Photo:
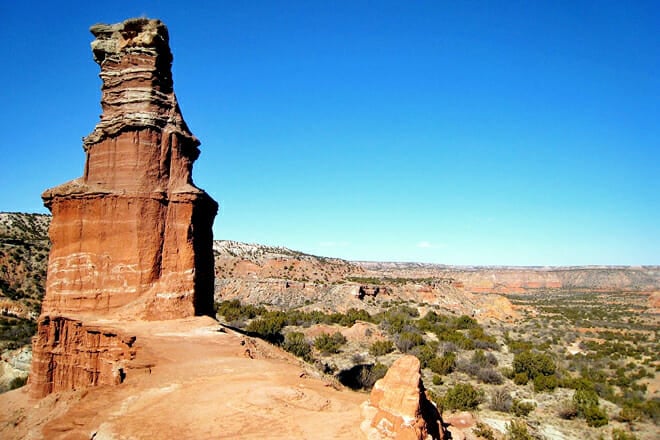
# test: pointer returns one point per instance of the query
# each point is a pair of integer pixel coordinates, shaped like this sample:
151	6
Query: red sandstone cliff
131	238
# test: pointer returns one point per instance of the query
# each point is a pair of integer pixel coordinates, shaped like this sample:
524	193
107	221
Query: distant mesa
131	238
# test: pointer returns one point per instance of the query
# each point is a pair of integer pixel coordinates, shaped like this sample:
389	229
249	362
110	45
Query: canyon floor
193	379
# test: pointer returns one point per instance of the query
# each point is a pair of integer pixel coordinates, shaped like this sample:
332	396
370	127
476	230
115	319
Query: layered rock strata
69	355
134	228
131	238
398	407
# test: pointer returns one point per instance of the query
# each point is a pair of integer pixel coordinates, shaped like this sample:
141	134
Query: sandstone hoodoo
131	238
398	407
133	232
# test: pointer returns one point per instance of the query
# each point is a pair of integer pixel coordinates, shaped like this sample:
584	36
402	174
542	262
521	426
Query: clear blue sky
457	132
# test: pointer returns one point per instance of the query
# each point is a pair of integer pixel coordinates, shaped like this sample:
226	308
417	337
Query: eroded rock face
398	407
69	355
133	230
130	239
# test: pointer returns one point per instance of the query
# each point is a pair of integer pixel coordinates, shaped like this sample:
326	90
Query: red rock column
132	236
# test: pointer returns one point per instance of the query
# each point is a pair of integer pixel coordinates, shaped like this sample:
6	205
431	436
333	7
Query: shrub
619	434
479	358
425	353
407	340
380	348
545	383
500	400
490	376
517	430
294	342
507	372
484	431
522	409
464	322
444	364
462	397
595	416
328	344
534	364
17	382
583	398
374	373
233	310
268	327
568	411
520	378
629	414
437	379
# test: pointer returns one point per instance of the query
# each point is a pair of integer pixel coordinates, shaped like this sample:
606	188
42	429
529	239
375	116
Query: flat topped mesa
132	237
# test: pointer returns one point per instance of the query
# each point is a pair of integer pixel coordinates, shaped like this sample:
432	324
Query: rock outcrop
69	355
133	229
398	407
130	239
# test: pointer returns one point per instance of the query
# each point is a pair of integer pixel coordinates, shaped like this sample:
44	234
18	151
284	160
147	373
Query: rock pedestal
131	238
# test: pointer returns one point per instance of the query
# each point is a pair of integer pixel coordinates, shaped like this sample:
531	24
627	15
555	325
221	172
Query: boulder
398	407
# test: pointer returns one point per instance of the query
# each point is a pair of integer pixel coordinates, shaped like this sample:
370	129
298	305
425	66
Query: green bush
595	416
484	431
545	383
586	403
464	322
328	344
17	382
520	378
369	376
233	310
437	379
407	340
517	430
619	434
462	397
583	398
425	353
534	364
444	364
522	409
268	327
380	348
295	342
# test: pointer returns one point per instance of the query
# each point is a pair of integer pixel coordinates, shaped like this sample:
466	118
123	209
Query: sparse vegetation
602	345
517	430
328	344
295	343
462	397
380	348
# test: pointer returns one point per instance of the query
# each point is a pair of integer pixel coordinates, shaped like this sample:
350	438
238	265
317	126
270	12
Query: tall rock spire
132	237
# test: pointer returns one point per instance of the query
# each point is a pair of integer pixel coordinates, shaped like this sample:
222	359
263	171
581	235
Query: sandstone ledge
190	380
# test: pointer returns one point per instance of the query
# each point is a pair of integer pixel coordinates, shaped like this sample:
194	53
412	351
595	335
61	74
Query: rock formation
398	407
131	238
68	355
133	228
